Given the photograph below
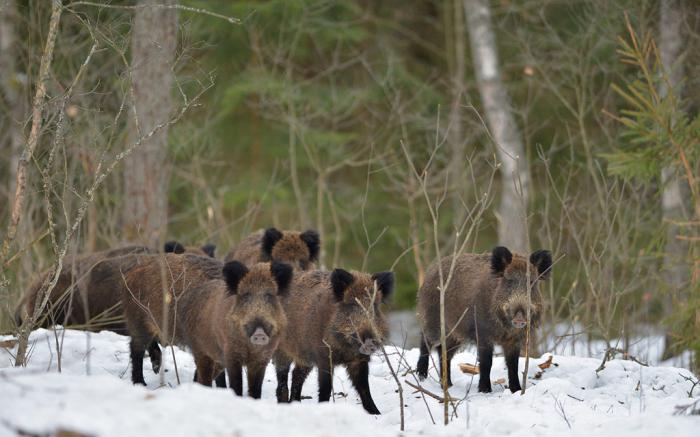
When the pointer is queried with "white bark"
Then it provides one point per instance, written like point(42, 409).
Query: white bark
point(153, 44)
point(675, 271)
point(515, 175)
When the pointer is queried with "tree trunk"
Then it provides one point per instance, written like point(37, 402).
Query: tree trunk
point(456, 52)
point(515, 176)
point(11, 86)
point(153, 44)
point(675, 271)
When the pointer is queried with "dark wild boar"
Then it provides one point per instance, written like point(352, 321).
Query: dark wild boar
point(298, 249)
point(486, 303)
point(228, 322)
point(88, 292)
point(334, 319)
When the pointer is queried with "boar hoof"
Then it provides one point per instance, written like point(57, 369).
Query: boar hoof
point(515, 388)
point(156, 366)
point(484, 388)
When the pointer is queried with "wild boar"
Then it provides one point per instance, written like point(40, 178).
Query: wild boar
point(298, 249)
point(334, 319)
point(231, 321)
point(486, 302)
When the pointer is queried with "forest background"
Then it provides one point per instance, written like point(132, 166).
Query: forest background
point(396, 129)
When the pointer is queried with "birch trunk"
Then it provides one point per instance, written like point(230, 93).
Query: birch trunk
point(515, 176)
point(675, 271)
point(153, 44)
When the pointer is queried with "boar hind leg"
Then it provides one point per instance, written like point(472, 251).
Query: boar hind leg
point(256, 376)
point(235, 377)
point(282, 365)
point(137, 349)
point(423, 359)
point(485, 359)
point(205, 369)
point(298, 377)
point(512, 354)
point(155, 355)
point(359, 375)
point(220, 379)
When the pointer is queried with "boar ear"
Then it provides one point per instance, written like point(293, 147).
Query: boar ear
point(542, 259)
point(313, 242)
point(385, 283)
point(500, 258)
point(210, 250)
point(341, 280)
point(173, 247)
point(271, 237)
point(283, 276)
point(233, 272)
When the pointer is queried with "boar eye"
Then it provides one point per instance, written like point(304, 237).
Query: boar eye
point(244, 297)
point(269, 297)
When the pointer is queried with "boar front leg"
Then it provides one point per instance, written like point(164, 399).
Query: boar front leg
point(451, 349)
point(325, 376)
point(205, 369)
point(282, 365)
point(512, 354)
point(298, 377)
point(359, 375)
point(485, 360)
point(256, 376)
point(235, 377)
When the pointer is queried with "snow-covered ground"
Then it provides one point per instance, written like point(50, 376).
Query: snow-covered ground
point(93, 396)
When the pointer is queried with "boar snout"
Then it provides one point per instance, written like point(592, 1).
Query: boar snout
point(519, 321)
point(258, 333)
point(259, 337)
point(369, 346)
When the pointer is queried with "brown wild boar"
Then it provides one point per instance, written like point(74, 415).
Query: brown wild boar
point(81, 297)
point(298, 249)
point(88, 292)
point(334, 319)
point(227, 322)
point(486, 303)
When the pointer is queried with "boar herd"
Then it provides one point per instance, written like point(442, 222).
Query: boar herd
point(269, 302)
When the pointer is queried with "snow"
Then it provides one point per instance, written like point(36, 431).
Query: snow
point(93, 395)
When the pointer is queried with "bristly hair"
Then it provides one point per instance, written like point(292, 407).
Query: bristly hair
point(283, 274)
point(313, 242)
point(233, 272)
point(340, 281)
point(500, 258)
point(385, 283)
point(270, 238)
point(209, 249)
point(173, 247)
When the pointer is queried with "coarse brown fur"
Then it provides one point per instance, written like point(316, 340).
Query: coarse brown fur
point(334, 319)
point(298, 249)
point(217, 314)
point(485, 303)
point(81, 297)
point(87, 294)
